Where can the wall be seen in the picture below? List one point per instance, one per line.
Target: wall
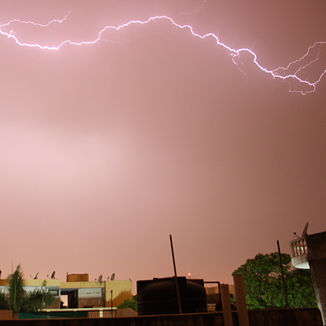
(89, 293)
(286, 317)
(280, 317)
(6, 314)
(121, 291)
(77, 278)
(33, 285)
(317, 261)
(90, 297)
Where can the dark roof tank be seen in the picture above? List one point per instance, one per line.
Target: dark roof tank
(159, 296)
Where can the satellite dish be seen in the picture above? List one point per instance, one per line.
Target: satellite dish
(304, 232)
(35, 277)
(100, 279)
(53, 275)
(112, 277)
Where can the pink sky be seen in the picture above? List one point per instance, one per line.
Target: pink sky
(107, 149)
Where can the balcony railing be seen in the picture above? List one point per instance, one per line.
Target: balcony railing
(299, 252)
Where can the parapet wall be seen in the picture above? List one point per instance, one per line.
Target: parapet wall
(273, 317)
(317, 261)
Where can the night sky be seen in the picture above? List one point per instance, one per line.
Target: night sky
(108, 148)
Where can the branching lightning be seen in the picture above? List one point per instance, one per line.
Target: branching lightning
(294, 72)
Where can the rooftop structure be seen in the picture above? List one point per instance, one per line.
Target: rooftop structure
(309, 252)
(299, 251)
(79, 291)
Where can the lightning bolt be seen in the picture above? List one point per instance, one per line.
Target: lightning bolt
(33, 23)
(294, 72)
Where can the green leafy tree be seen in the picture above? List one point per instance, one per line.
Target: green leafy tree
(17, 299)
(4, 305)
(129, 304)
(16, 295)
(264, 286)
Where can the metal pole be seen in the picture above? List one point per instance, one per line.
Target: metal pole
(175, 276)
(283, 278)
(111, 303)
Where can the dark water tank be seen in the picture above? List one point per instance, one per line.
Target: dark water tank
(159, 296)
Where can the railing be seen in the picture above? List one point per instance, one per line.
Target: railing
(298, 247)
(299, 251)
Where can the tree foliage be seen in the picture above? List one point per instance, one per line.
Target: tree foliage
(129, 304)
(264, 286)
(17, 299)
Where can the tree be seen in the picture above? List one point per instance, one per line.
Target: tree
(17, 299)
(264, 286)
(129, 304)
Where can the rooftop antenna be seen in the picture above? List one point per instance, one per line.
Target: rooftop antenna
(304, 232)
(175, 276)
(100, 279)
(112, 276)
(282, 273)
(53, 275)
(295, 234)
(35, 277)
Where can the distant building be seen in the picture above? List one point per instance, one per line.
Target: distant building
(79, 292)
(214, 297)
